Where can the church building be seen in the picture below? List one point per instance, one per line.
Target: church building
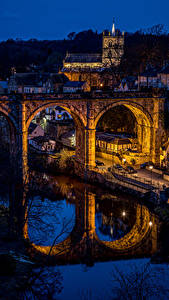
(96, 68)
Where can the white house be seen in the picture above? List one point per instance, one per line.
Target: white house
(69, 138)
(163, 76)
(43, 144)
(29, 83)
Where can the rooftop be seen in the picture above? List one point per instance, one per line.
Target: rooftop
(31, 79)
(164, 70)
(83, 58)
(74, 84)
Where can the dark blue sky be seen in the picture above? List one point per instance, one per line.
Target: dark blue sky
(54, 19)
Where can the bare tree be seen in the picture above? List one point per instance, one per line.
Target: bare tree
(141, 282)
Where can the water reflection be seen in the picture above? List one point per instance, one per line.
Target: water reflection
(74, 221)
(50, 222)
(114, 218)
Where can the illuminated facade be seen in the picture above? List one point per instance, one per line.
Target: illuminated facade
(86, 113)
(92, 67)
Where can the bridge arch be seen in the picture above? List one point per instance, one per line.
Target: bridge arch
(79, 121)
(13, 128)
(135, 237)
(77, 117)
(136, 108)
(143, 119)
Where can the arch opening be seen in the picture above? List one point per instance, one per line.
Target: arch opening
(57, 132)
(7, 138)
(123, 135)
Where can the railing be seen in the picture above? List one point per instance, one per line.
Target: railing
(121, 180)
(134, 182)
(82, 95)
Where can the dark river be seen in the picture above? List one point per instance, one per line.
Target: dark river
(100, 242)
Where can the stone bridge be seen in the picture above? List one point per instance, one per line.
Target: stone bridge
(86, 110)
(83, 241)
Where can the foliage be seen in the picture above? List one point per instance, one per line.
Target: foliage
(141, 48)
(8, 265)
(66, 161)
(139, 283)
(118, 118)
(133, 162)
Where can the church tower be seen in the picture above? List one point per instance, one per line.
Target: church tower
(112, 48)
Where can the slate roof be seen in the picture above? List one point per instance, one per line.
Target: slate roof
(59, 78)
(42, 139)
(112, 138)
(122, 141)
(31, 79)
(164, 70)
(83, 58)
(74, 84)
(151, 72)
(4, 84)
(67, 135)
(32, 127)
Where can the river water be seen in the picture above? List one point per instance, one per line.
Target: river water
(100, 243)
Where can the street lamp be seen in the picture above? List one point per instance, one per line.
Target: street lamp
(150, 224)
(123, 213)
(151, 168)
(124, 161)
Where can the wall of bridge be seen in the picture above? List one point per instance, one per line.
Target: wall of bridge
(86, 114)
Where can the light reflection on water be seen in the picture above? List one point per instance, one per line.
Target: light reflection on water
(114, 218)
(45, 220)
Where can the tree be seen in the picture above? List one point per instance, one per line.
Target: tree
(71, 36)
(139, 283)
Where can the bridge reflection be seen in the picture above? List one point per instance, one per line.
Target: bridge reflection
(137, 233)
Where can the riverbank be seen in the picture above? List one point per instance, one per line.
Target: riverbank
(15, 265)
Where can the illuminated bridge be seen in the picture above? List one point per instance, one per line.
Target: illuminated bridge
(86, 110)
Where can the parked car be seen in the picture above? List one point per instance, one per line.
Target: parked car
(144, 165)
(99, 163)
(118, 167)
(131, 170)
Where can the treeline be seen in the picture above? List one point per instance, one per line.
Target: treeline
(141, 48)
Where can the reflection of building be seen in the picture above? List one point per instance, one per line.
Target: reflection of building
(90, 67)
(110, 228)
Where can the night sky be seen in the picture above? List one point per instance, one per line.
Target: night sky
(54, 19)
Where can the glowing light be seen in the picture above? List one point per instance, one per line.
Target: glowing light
(123, 213)
(150, 224)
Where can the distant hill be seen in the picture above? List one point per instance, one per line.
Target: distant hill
(140, 49)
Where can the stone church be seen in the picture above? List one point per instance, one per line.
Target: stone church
(96, 68)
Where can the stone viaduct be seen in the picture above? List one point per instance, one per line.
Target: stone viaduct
(86, 110)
